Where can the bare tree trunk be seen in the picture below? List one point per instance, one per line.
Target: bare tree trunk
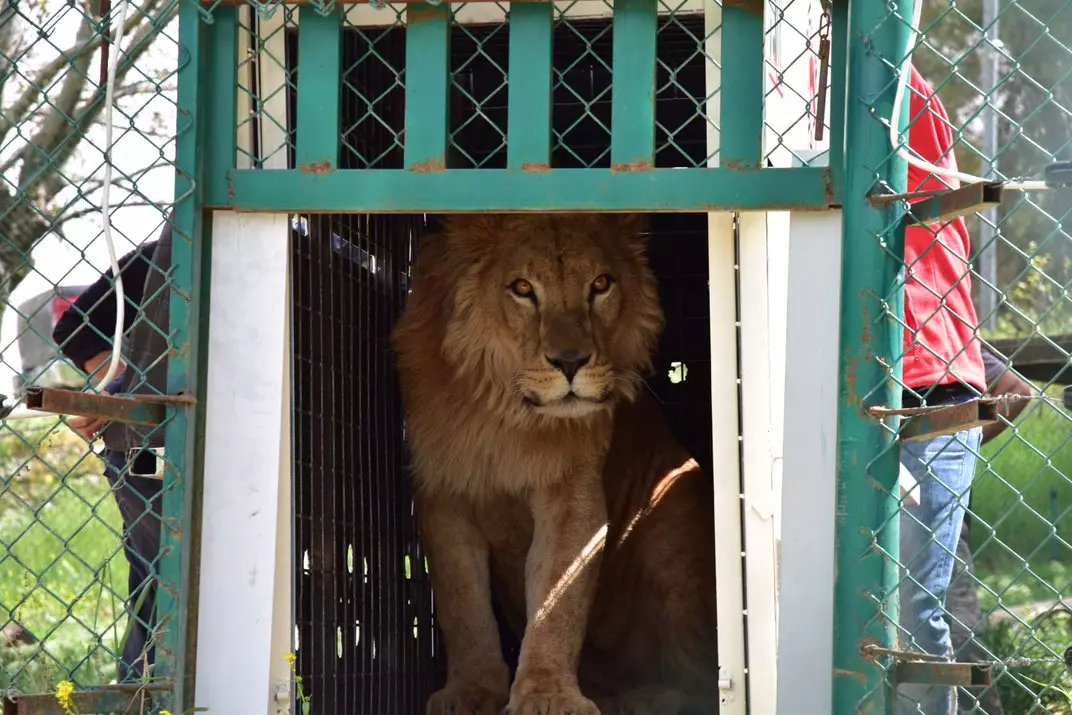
(27, 211)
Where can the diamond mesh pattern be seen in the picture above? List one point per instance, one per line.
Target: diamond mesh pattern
(65, 582)
(1008, 120)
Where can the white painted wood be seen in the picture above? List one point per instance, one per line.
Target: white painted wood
(244, 426)
(272, 70)
(282, 603)
(725, 445)
(808, 491)
(725, 426)
(757, 468)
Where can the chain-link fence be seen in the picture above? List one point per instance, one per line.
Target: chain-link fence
(89, 565)
(962, 295)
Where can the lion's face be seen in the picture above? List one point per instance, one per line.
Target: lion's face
(560, 313)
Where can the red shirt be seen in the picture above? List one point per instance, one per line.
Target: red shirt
(941, 346)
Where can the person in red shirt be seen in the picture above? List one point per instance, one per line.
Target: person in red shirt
(942, 364)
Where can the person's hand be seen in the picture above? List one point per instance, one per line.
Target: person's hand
(88, 427)
(100, 362)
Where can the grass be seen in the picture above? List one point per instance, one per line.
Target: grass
(1022, 502)
(1022, 495)
(62, 571)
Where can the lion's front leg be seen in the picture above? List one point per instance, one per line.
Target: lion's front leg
(561, 571)
(477, 676)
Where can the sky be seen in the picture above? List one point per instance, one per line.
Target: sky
(144, 147)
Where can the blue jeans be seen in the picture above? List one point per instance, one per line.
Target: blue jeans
(138, 499)
(943, 467)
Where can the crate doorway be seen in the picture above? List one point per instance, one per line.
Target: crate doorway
(360, 615)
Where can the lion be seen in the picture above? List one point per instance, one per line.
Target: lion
(547, 478)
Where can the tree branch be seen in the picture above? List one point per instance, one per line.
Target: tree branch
(63, 218)
(60, 148)
(24, 105)
(36, 151)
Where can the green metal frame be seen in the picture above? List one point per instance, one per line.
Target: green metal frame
(207, 178)
(632, 183)
(184, 430)
(871, 341)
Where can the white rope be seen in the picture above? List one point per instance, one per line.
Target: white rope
(114, 53)
(897, 138)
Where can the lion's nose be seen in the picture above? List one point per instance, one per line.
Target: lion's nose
(569, 362)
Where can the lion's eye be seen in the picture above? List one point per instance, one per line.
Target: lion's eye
(602, 284)
(522, 288)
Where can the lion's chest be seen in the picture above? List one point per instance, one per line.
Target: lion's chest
(479, 458)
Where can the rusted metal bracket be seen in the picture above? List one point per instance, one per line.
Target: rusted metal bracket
(941, 206)
(920, 423)
(960, 675)
(132, 409)
(126, 698)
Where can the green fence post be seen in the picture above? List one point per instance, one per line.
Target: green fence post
(870, 341)
(174, 602)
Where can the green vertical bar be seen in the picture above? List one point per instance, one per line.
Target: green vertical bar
(867, 527)
(174, 654)
(427, 86)
(839, 40)
(220, 113)
(319, 86)
(528, 143)
(632, 120)
(741, 131)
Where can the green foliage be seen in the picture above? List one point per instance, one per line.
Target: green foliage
(1032, 97)
(1022, 493)
(62, 571)
(1038, 687)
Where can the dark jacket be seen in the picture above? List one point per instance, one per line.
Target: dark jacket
(85, 329)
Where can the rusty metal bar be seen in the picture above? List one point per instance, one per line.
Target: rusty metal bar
(936, 206)
(948, 205)
(926, 422)
(961, 675)
(132, 698)
(132, 409)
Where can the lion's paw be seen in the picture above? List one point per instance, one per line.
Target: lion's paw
(551, 702)
(465, 699)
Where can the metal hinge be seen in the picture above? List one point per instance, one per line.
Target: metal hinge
(725, 685)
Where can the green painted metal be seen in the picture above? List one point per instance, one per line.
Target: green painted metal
(221, 123)
(871, 338)
(427, 86)
(632, 124)
(401, 191)
(839, 24)
(529, 89)
(741, 100)
(320, 53)
(173, 658)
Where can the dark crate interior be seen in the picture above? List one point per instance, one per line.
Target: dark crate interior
(364, 612)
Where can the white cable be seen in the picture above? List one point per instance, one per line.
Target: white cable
(896, 138)
(106, 208)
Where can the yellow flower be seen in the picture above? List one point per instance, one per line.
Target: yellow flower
(64, 690)
(291, 658)
(165, 712)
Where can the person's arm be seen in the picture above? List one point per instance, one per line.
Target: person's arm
(1002, 381)
(1008, 384)
(84, 331)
